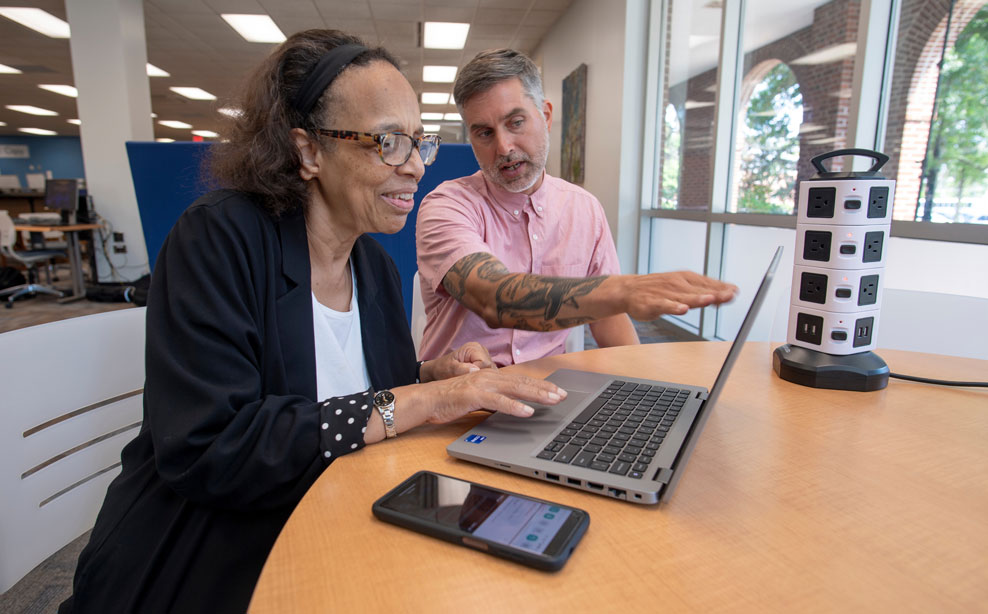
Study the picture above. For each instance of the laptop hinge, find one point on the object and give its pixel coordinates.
(662, 475)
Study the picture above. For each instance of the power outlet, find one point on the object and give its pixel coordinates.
(820, 202)
(868, 290)
(873, 246)
(816, 245)
(809, 328)
(878, 198)
(118, 237)
(864, 328)
(813, 288)
(119, 249)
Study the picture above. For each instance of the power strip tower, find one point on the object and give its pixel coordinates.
(842, 231)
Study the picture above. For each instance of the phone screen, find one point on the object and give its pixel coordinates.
(480, 511)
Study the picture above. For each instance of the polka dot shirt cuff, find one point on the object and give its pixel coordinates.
(343, 422)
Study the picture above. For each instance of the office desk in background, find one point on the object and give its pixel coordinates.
(71, 232)
(794, 500)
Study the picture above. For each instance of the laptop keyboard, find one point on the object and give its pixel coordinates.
(620, 431)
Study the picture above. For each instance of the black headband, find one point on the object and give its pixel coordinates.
(328, 68)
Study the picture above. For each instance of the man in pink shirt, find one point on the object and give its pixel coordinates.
(511, 256)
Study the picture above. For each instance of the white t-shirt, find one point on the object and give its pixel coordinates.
(340, 365)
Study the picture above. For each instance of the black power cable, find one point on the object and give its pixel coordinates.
(939, 382)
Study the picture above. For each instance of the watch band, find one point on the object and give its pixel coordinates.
(384, 402)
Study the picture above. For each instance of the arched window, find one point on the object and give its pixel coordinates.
(768, 143)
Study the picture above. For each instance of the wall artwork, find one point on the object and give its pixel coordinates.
(574, 125)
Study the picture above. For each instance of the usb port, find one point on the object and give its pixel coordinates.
(595, 486)
(552, 476)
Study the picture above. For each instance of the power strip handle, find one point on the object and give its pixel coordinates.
(879, 158)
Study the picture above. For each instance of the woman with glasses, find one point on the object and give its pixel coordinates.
(276, 335)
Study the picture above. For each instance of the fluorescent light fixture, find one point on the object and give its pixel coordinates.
(694, 104)
(431, 117)
(206, 133)
(444, 35)
(26, 108)
(810, 127)
(231, 112)
(77, 122)
(154, 71)
(255, 28)
(194, 93)
(37, 20)
(431, 127)
(439, 74)
(434, 98)
(453, 117)
(3, 123)
(170, 123)
(8, 70)
(38, 131)
(833, 53)
(64, 90)
(164, 140)
(825, 141)
(154, 115)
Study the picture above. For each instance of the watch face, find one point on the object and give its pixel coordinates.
(384, 398)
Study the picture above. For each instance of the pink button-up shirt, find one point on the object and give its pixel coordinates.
(559, 230)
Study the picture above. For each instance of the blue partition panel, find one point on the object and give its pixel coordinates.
(167, 179)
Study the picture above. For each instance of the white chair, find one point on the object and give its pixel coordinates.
(933, 322)
(30, 259)
(574, 343)
(72, 394)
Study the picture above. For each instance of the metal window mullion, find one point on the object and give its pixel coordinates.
(653, 122)
(729, 77)
(877, 33)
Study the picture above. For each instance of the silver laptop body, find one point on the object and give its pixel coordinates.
(515, 444)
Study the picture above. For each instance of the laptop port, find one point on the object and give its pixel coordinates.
(552, 476)
(572, 481)
(617, 493)
(595, 486)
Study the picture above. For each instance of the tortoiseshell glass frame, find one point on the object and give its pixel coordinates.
(378, 139)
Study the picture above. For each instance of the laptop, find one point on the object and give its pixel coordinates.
(621, 437)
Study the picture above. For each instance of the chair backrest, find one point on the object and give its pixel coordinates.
(951, 324)
(72, 395)
(418, 313)
(8, 235)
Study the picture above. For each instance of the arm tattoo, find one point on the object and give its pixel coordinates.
(523, 301)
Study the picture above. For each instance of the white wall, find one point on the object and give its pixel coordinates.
(609, 37)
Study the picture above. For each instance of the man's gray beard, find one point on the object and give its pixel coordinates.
(495, 176)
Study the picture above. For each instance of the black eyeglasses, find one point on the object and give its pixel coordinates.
(395, 148)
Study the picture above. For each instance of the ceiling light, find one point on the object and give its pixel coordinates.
(439, 74)
(3, 123)
(434, 98)
(834, 53)
(26, 108)
(431, 127)
(154, 115)
(231, 112)
(453, 117)
(255, 28)
(37, 20)
(64, 90)
(444, 35)
(208, 133)
(194, 93)
(77, 122)
(431, 116)
(38, 131)
(8, 70)
(695, 104)
(154, 71)
(164, 140)
(170, 123)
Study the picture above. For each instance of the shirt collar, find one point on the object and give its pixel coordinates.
(518, 201)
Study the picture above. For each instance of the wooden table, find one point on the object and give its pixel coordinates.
(75, 256)
(795, 500)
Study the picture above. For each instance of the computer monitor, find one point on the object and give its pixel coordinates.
(62, 195)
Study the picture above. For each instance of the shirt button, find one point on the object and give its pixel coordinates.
(539, 209)
(536, 237)
(516, 212)
(517, 352)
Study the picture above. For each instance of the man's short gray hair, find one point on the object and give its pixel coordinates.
(494, 66)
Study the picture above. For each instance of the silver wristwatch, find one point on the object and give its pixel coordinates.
(384, 402)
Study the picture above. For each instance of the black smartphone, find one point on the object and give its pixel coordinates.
(538, 533)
